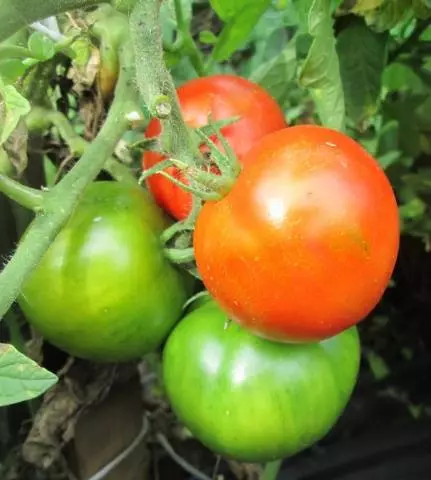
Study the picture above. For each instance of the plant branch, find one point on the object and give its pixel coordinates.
(155, 83)
(15, 15)
(25, 196)
(188, 43)
(41, 116)
(60, 201)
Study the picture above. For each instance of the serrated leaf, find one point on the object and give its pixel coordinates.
(21, 378)
(276, 74)
(362, 57)
(41, 46)
(12, 107)
(320, 72)
(235, 33)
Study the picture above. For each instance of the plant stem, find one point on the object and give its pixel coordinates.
(63, 198)
(15, 15)
(155, 83)
(271, 470)
(25, 196)
(77, 144)
(193, 51)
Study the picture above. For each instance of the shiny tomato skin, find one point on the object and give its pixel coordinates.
(305, 243)
(223, 96)
(104, 290)
(252, 399)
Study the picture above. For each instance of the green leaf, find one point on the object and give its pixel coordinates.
(11, 69)
(413, 209)
(236, 32)
(41, 46)
(362, 57)
(365, 5)
(227, 9)
(390, 13)
(321, 72)
(21, 378)
(207, 37)
(13, 107)
(377, 365)
(276, 75)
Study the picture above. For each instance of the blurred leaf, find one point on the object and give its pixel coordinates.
(207, 37)
(422, 9)
(321, 72)
(41, 46)
(277, 74)
(365, 5)
(236, 32)
(412, 209)
(403, 110)
(377, 365)
(389, 159)
(11, 69)
(12, 108)
(399, 76)
(390, 13)
(21, 378)
(227, 9)
(362, 57)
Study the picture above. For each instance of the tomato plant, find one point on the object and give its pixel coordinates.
(253, 399)
(221, 97)
(104, 290)
(305, 243)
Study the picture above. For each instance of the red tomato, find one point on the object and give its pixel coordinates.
(305, 243)
(222, 96)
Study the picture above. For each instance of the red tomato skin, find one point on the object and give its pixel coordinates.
(305, 243)
(222, 96)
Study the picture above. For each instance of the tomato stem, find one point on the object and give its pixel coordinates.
(180, 255)
(271, 469)
(25, 196)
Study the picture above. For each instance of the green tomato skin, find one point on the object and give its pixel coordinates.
(252, 399)
(104, 290)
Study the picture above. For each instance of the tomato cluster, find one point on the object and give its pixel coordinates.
(297, 253)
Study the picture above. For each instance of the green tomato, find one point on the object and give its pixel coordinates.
(253, 399)
(104, 290)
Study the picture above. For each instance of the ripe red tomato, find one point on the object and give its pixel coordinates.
(252, 399)
(304, 244)
(222, 96)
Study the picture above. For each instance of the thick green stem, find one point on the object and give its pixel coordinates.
(25, 196)
(154, 81)
(15, 14)
(63, 198)
(271, 470)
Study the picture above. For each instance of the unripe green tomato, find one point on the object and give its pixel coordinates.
(252, 399)
(104, 290)
(124, 6)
